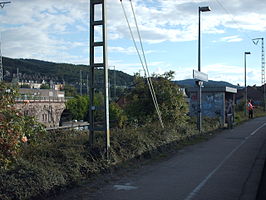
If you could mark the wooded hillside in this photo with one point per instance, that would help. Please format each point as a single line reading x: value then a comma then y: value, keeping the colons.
x: 37, y: 70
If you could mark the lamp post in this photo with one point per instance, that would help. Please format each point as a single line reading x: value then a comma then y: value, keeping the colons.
x: 201, y: 9
x: 245, y: 78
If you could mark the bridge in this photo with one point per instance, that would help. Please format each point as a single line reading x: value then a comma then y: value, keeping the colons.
x: 46, y: 110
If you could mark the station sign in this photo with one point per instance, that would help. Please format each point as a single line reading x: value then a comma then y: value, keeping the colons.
x: 200, y: 76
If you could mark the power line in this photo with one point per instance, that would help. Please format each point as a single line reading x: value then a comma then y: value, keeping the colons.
x: 146, y: 65
x: 233, y: 20
x: 145, y: 68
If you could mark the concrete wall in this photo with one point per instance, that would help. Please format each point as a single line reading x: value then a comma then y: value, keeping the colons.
x: 47, y: 113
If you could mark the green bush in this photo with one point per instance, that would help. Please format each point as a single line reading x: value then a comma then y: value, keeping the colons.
x: 117, y: 116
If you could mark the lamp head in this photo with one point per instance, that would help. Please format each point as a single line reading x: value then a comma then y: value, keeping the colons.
x: 204, y: 9
x: 247, y: 53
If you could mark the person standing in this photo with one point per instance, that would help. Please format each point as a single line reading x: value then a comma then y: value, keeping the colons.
x: 250, y: 109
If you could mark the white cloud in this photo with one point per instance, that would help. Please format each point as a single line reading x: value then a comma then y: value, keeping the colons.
x: 39, y: 29
x: 165, y: 20
x: 233, y: 38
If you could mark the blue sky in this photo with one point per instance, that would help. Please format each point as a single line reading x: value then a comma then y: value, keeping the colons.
x: 58, y: 31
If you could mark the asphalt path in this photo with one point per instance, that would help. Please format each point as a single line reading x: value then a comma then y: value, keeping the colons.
x: 227, y: 167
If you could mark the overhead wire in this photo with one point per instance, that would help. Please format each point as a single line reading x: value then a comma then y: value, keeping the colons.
x: 233, y: 20
x: 144, y: 66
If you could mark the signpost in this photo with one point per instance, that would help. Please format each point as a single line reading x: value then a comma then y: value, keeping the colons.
x: 200, y: 77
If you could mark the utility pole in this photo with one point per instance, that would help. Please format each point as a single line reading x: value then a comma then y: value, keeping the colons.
x: 80, y: 82
x: 17, y: 74
x: 245, y: 80
x: 256, y: 41
x: 2, y: 5
x: 114, y: 83
x: 100, y: 5
x: 87, y: 83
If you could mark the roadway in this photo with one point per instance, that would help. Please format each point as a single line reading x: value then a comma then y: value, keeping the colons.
x: 227, y: 167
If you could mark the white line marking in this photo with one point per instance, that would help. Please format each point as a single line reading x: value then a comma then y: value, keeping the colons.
x: 198, y: 188
x: 254, y: 132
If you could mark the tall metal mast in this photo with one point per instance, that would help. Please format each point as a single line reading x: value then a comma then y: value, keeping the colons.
x: 97, y: 7
x: 80, y: 82
x: 2, y: 5
x: 256, y: 41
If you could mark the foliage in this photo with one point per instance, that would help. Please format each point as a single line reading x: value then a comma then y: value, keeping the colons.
x: 240, y: 107
x: 45, y: 86
x: 117, y: 115
x: 25, y: 86
x: 63, y: 158
x: 139, y: 105
x: 70, y: 91
x: 78, y: 107
x: 15, y: 129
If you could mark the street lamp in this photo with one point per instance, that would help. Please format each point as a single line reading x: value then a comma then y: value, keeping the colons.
x: 245, y: 77
x: 201, y: 9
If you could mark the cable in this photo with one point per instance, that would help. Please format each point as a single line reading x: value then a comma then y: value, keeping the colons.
x: 146, y: 65
x: 232, y: 18
x: 147, y: 76
x: 143, y: 66
x: 156, y: 105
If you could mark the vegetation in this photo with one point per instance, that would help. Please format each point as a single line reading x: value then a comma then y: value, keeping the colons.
x: 25, y: 86
x: 15, y: 129
x: 139, y: 106
x: 63, y: 158
x: 78, y: 107
x: 48, y: 161
x: 45, y: 86
x: 70, y: 91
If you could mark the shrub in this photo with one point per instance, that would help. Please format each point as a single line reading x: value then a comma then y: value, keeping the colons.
x: 117, y: 115
x: 15, y: 129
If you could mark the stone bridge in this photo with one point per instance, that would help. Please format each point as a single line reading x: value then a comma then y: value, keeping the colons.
x: 47, y: 112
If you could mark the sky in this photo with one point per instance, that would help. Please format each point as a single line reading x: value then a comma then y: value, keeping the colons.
x: 58, y: 31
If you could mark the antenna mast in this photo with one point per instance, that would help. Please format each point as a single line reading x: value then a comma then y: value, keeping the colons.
x: 256, y: 41
x: 2, y: 5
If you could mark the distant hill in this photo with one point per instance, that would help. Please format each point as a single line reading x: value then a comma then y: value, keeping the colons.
x: 191, y: 83
x: 37, y: 70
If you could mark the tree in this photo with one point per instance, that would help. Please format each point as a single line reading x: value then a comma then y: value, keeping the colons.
x: 70, y: 91
x: 78, y: 107
x: 118, y: 117
x: 25, y: 86
x: 44, y: 86
x: 139, y: 105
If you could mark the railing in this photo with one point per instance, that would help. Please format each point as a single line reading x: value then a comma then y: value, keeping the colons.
x: 77, y: 126
x: 30, y: 98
